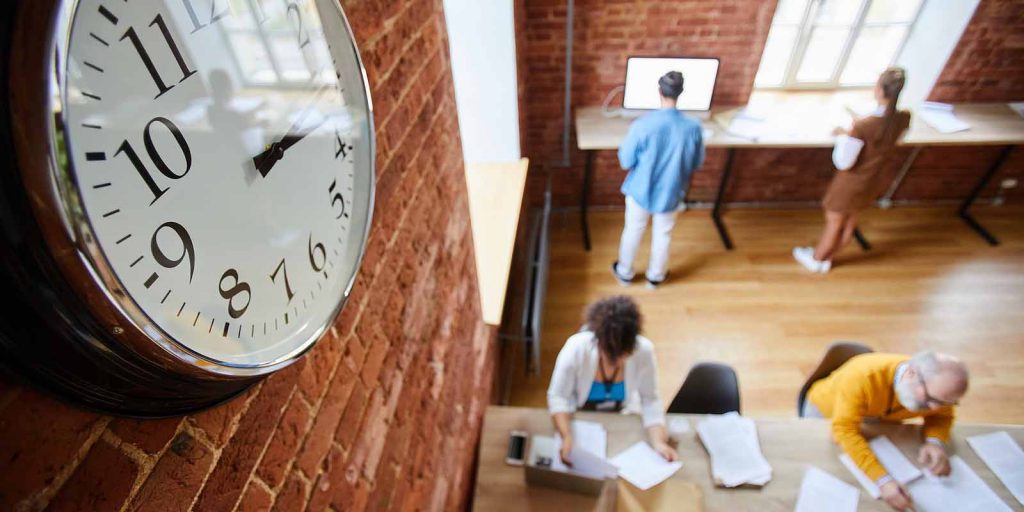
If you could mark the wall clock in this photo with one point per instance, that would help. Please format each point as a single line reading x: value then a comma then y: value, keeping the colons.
x: 187, y: 191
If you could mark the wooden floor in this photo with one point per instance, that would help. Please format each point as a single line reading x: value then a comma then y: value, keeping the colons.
x: 929, y: 282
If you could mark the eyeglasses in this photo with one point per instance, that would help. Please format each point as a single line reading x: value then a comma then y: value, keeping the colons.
x: 929, y: 399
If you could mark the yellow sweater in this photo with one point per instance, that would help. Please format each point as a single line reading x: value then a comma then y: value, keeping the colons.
x: 863, y: 388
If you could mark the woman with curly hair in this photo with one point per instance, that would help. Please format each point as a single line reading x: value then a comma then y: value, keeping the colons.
x: 608, y: 366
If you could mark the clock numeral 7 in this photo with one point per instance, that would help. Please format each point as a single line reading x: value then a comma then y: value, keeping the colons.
x: 214, y: 15
x: 148, y: 62
x: 154, y: 155
x: 287, y: 286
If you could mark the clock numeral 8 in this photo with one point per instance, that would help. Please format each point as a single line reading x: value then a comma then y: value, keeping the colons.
x: 154, y: 155
x: 231, y: 293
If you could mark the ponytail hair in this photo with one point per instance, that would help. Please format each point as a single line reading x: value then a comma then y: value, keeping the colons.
x: 891, y: 82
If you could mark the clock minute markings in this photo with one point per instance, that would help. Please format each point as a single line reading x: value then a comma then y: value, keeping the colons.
x: 93, y: 66
x: 98, y: 38
x: 107, y: 14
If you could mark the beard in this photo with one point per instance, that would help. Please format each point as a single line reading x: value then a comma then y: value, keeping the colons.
x: 905, y: 394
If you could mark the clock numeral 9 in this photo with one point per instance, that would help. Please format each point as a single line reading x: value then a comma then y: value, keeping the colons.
x: 187, y: 248
x: 214, y: 15
x: 154, y: 155
x: 336, y: 199
x: 313, y: 257
x: 148, y: 62
x: 239, y: 287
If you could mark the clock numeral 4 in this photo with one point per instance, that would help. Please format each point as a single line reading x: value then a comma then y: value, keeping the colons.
x: 154, y: 155
x: 148, y: 61
x: 214, y: 15
x: 230, y: 294
x: 340, y: 147
x: 188, y: 249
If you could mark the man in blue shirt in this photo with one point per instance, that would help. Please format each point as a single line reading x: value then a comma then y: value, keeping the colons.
x: 660, y: 152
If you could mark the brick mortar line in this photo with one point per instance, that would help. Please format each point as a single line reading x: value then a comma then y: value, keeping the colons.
x: 42, y: 498
x: 152, y: 461
x: 405, y: 92
x: 385, y: 73
x: 144, y: 462
x: 263, y: 450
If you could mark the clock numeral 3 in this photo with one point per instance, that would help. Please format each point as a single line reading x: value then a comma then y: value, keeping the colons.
x: 154, y: 155
x: 148, y: 62
x: 214, y: 15
x: 234, y: 291
x: 187, y: 248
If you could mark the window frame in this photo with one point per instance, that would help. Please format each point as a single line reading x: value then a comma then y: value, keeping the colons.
x: 805, y: 28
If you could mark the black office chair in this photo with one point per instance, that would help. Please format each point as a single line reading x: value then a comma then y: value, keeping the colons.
x: 709, y: 388
x: 837, y: 354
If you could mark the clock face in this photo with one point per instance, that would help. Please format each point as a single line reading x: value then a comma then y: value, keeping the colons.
x: 221, y: 164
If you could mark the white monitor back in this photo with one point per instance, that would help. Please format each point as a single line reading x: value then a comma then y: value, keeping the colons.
x: 642, y: 74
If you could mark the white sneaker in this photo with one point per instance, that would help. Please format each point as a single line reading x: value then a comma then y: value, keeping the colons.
x: 805, y: 257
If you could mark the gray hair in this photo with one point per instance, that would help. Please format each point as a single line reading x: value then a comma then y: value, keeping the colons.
x: 931, y: 364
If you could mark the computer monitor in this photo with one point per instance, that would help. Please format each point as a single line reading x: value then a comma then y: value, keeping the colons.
x: 642, y: 74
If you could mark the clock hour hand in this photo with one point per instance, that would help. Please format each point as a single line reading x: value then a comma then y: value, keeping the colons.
x: 265, y: 161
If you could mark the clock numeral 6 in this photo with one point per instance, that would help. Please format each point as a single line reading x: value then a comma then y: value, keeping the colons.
x: 234, y: 291
x: 313, y: 251
x: 154, y: 155
x: 187, y: 248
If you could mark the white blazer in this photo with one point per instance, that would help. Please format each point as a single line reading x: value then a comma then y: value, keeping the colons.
x: 574, y: 374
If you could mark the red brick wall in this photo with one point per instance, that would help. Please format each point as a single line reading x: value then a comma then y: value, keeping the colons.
x: 988, y: 65
x: 988, y: 62
x: 383, y: 414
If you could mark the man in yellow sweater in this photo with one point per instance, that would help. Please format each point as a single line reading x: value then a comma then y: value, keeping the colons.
x: 891, y: 387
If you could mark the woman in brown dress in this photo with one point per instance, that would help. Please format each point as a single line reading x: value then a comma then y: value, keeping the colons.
x: 864, y: 157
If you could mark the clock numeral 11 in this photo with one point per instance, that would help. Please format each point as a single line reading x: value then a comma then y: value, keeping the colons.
x: 148, y: 62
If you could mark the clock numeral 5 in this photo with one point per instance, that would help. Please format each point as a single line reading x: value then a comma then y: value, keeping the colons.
x: 161, y: 165
x: 148, y: 62
x: 214, y: 15
x: 234, y: 291
x: 336, y: 199
x: 188, y: 249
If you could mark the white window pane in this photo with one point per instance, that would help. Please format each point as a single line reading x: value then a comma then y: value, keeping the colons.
x: 290, y: 61
x: 887, y: 11
x: 823, y: 52
x: 790, y: 11
x: 873, y: 51
x: 251, y: 57
x: 838, y: 12
x: 777, y: 49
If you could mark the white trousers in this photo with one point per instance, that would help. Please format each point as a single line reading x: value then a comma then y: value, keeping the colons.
x: 633, y: 232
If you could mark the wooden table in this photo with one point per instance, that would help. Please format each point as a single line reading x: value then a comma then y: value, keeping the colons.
x: 495, y: 199
x: 992, y: 124
x: 789, y: 444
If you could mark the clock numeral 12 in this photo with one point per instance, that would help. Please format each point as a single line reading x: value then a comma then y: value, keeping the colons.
x: 147, y: 138
x: 214, y: 15
x: 148, y: 62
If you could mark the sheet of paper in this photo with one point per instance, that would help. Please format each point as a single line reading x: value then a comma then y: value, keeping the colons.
x: 736, y: 457
x: 898, y: 466
x: 822, y: 491
x: 643, y: 467
x: 942, y: 119
x: 1018, y: 107
x: 963, y: 490
x: 587, y: 435
x: 747, y: 127
x: 1004, y: 457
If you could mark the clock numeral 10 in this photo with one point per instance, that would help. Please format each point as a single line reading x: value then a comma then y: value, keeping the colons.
x: 148, y: 62
x: 161, y: 165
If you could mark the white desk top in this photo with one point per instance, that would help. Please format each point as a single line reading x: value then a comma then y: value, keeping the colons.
x: 991, y: 124
x: 495, y: 198
x: 789, y: 444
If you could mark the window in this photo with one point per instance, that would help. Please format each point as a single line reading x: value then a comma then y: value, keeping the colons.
x: 820, y: 44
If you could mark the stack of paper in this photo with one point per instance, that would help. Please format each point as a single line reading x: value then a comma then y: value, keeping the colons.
x: 747, y: 126
x: 822, y: 491
x: 963, y: 490
x: 901, y: 469
x: 643, y: 467
x: 589, y: 451
x: 736, y: 457
x: 941, y: 117
x: 1004, y: 457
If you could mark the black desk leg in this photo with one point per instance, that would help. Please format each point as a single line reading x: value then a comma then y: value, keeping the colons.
x: 861, y: 241
x: 716, y: 213
x: 966, y: 205
x: 588, y: 170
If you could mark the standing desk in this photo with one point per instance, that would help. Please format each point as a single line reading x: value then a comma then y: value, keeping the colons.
x: 789, y: 444
x: 992, y: 124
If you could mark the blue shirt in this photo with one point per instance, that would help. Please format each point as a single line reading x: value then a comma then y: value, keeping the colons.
x: 660, y: 152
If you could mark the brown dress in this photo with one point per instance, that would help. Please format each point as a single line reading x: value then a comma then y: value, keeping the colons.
x: 857, y: 188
